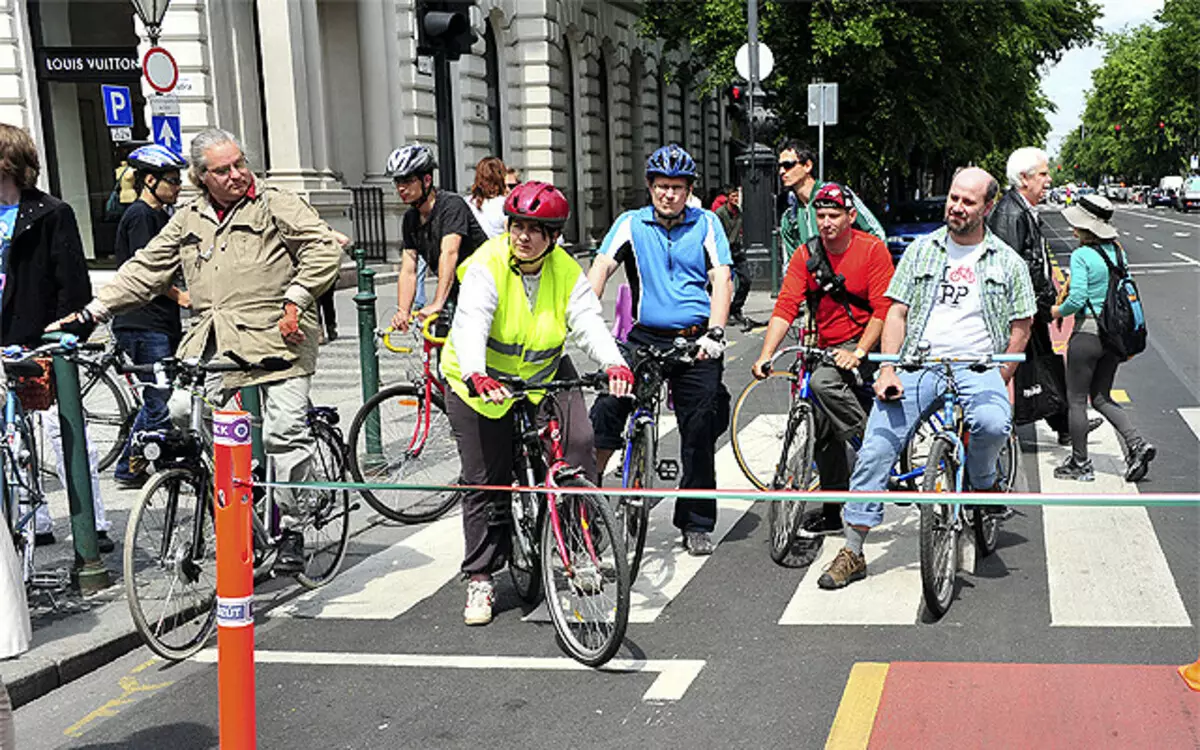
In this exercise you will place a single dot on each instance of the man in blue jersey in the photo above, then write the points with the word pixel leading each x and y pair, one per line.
pixel 673 254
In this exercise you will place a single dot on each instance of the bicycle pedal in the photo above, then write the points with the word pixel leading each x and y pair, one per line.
pixel 51 580
pixel 667 469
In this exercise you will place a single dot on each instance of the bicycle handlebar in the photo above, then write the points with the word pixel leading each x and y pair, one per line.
pixel 426 333
pixel 166 370
pixel 521 388
pixel 919 362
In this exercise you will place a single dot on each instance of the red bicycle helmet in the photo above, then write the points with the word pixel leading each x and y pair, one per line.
pixel 538 201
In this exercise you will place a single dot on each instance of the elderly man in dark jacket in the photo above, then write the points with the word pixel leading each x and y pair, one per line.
pixel 1015 222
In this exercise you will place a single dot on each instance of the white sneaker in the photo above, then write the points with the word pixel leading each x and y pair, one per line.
pixel 480 595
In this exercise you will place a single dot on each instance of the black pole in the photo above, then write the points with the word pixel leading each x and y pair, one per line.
pixel 447 169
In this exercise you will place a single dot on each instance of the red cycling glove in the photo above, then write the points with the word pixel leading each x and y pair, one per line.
pixel 478 384
pixel 620 372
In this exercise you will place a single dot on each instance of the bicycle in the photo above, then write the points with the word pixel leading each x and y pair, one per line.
pixel 402 434
pixel 794 428
pixel 640 464
pixel 571 539
pixel 942 524
pixel 111 400
pixel 170 542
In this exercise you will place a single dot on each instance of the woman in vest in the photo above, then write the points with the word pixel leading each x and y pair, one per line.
pixel 1091 368
pixel 521 297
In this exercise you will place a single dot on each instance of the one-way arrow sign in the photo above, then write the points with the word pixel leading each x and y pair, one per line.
pixel 166 132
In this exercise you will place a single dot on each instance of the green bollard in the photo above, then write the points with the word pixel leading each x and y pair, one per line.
pixel 89 573
pixel 368 355
pixel 775 264
pixel 252 402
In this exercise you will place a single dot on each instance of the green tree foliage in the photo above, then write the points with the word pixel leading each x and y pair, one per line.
pixel 930 85
pixel 1151 74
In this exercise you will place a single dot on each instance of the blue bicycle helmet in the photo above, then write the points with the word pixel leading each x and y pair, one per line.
pixel 157 159
pixel 671 161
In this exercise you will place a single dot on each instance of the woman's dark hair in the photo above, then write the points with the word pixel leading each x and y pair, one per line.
pixel 19 156
pixel 489 180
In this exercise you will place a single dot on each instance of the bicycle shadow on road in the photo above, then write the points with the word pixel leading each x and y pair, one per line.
pixel 182 736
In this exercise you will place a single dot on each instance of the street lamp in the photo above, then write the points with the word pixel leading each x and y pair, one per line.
pixel 151 12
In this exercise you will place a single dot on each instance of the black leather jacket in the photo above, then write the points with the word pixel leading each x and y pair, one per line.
pixel 1020 228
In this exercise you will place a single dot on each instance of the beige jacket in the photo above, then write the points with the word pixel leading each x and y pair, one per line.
pixel 239 272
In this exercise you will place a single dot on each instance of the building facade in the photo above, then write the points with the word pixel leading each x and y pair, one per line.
pixel 321 91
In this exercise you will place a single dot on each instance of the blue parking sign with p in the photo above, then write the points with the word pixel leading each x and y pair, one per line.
pixel 118 106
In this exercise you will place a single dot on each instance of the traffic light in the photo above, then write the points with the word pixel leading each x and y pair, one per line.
pixel 1162 127
pixel 1117 131
pixel 444 27
pixel 735 102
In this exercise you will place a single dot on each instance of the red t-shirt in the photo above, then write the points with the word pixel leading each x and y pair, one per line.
pixel 867 267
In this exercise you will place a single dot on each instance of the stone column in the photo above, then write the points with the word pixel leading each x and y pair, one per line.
pixel 376 73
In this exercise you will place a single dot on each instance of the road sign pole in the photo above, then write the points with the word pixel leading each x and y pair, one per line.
pixel 821 140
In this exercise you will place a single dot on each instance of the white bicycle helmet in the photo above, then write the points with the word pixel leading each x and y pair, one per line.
pixel 408 161
pixel 157 159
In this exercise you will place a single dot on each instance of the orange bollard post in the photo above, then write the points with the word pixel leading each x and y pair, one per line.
pixel 1191 674
pixel 235 579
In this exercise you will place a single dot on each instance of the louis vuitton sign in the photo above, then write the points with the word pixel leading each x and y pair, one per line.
pixel 89 64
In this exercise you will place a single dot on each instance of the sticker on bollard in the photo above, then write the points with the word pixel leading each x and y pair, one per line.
pixel 236 612
pixel 231 428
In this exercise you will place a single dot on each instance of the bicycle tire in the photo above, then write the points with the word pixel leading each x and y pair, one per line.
pixel 524 560
pixel 760 419
pixel 108 414
pixel 589 607
pixel 327 520
pixel 21 474
pixel 986 526
pixel 180 628
pixel 398 407
pixel 939 530
pixel 633 513
pixel 794 472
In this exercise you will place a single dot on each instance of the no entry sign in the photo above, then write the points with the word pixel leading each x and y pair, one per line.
pixel 160 70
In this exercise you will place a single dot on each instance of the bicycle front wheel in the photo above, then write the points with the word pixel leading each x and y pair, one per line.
pixel 22 493
pixel 109 412
pixel 760 422
pixel 587 584
pixel 940 529
pixel 795 472
pixel 400 437
pixel 523 560
pixel 171 563
pixel 633 513
pixel 326 525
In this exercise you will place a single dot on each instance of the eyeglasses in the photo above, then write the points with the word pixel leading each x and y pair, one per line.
pixel 664 189
pixel 786 165
pixel 239 165
pixel 175 181
pixel 511 185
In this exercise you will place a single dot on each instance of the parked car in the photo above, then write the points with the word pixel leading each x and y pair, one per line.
pixel 908 221
pixel 1189 195
pixel 1160 198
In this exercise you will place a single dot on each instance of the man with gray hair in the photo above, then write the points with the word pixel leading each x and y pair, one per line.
pixel 255 258
pixel 1015 222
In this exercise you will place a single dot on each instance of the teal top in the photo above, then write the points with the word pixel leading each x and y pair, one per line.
pixel 1089 280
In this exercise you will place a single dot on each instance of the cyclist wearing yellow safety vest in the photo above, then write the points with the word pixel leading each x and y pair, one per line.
pixel 521 297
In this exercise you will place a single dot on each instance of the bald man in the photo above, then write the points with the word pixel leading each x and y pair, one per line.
pixel 970 295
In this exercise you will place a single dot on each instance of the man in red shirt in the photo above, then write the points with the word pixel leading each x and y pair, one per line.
pixel 842 276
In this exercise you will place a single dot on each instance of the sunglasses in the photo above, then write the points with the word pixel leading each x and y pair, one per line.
pixel 786 165
pixel 511 185
pixel 175 181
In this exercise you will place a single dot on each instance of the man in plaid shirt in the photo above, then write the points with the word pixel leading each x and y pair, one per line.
pixel 965 293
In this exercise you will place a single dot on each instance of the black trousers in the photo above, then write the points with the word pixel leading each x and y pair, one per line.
pixel 702 411
pixel 1040 330
pixel 486 450
pixel 741 277
pixel 327 311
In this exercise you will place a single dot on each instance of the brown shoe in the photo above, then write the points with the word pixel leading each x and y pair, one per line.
pixel 845 569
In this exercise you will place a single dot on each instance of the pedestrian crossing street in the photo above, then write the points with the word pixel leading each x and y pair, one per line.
pixel 1103 567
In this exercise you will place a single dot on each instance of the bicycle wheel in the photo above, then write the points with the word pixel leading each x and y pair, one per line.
pixel 523 559
pixel 327 521
pixel 795 472
pixel 587 591
pixel 633 513
pixel 23 493
pixel 986 526
pixel 108 412
pixel 939 529
pixel 760 421
pixel 171 563
pixel 405 450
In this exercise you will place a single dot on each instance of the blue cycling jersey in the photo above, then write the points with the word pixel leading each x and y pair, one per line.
pixel 668 268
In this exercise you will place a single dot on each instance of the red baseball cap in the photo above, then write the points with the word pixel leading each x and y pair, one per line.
pixel 832 195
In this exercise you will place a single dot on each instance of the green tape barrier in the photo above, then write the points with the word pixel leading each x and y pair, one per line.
pixel 1168 499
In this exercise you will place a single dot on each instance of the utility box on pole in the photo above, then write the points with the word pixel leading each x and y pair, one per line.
pixel 757 177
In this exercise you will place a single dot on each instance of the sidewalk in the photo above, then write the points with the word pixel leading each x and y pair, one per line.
pixel 75 634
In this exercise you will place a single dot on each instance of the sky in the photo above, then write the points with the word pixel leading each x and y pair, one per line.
pixel 1066 82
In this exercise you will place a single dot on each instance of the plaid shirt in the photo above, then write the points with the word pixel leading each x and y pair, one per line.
pixel 1007 291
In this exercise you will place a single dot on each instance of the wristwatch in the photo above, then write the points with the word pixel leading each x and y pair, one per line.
pixel 716 333
pixel 859 354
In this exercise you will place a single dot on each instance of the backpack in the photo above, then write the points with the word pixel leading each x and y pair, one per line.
pixel 1122 321
pixel 113 207
pixel 829 283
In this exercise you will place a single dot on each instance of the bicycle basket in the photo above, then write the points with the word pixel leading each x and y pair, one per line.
pixel 36 392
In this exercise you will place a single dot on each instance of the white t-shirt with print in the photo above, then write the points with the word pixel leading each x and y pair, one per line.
pixel 956 327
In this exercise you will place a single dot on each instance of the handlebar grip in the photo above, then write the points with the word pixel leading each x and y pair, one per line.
pixel 877 357
pixel 386 335
pixel 427 330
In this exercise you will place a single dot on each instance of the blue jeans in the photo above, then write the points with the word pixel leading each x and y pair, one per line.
pixel 145 347
pixel 419 299
pixel 892 424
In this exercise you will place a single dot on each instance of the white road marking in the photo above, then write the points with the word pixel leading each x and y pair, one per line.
pixel 1191 415
pixel 1170 220
pixel 675 676
pixel 1149 226
pixel 1183 234
pixel 1105 567
pixel 1187 259
pixel 1161 264
pixel 1140 239
pixel 889 595
pixel 1156 245
pixel 1124 233
pixel 389 583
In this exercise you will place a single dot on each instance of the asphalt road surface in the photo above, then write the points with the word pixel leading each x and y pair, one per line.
pixel 735 651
